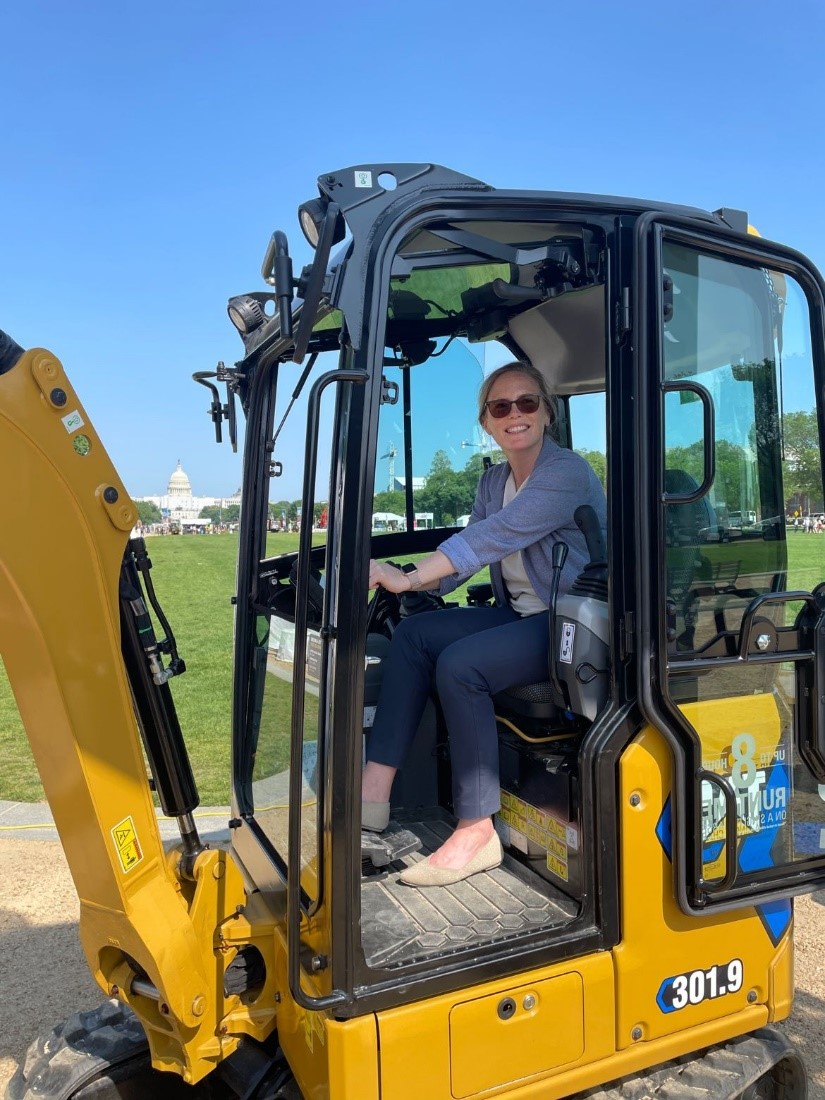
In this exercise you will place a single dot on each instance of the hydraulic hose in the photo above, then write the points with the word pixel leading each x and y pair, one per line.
pixel 10 352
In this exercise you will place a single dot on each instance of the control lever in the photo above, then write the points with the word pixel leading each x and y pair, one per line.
pixel 588 523
pixel 559 557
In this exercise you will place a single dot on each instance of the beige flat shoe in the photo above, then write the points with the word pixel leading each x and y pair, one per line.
pixel 375 816
pixel 424 874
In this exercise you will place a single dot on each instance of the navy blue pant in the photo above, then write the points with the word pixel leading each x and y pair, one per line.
pixel 474 652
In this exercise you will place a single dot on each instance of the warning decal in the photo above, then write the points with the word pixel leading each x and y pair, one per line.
pixel 552 836
pixel 127 844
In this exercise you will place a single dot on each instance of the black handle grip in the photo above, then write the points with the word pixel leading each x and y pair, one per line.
pixel 588 523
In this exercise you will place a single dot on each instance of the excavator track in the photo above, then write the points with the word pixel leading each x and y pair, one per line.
pixel 761 1066
pixel 102 1053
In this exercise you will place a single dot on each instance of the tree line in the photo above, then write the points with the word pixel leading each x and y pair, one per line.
pixel 801 470
pixel 449 493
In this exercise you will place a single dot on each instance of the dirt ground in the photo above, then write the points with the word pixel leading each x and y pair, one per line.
pixel 43 976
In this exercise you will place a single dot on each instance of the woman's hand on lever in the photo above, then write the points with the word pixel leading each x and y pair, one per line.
pixel 388 576
pixel 426 574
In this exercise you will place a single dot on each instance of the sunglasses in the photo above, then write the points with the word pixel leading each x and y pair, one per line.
pixel 527 403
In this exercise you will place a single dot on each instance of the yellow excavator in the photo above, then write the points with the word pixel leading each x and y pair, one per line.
pixel 662 792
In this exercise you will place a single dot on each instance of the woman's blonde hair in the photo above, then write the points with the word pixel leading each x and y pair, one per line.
pixel 535 376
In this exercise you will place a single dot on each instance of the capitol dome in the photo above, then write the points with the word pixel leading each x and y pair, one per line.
pixel 179 485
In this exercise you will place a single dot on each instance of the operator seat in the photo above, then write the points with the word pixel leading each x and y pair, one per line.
pixel 535 702
pixel 578 687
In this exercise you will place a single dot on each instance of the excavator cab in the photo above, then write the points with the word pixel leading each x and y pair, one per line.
pixel 670 338
pixel 662 792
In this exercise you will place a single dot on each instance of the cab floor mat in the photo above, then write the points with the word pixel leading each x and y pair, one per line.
pixel 401 924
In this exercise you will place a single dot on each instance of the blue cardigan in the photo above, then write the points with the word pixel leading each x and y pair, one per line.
pixel 539 516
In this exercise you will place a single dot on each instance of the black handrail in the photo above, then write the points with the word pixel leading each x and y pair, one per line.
pixel 293 921
pixel 729 876
pixel 708 438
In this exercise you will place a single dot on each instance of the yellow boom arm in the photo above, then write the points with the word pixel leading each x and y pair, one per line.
pixel 60 563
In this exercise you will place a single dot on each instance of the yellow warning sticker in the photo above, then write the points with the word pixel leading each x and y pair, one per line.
pixel 558 849
pixel 557 867
pixel 127 844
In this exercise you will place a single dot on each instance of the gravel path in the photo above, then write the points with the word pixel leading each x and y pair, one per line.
pixel 43 975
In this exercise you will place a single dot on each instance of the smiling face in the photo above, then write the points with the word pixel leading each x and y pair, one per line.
pixel 519 435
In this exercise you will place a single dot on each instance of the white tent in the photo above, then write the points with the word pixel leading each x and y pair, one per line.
pixel 383 520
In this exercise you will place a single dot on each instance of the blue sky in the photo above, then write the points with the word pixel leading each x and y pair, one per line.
pixel 150 150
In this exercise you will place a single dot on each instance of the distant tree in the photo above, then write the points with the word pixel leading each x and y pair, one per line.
pixel 447 493
pixel 148 512
pixel 598 462
pixel 217 515
pixel 394 502
pixel 801 468
pixel 730 483
pixel 440 464
pixel 283 510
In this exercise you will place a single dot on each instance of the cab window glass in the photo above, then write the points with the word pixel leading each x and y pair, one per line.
pixel 588 430
pixel 446 443
pixel 737 340
pixel 277 655
pixel 727 545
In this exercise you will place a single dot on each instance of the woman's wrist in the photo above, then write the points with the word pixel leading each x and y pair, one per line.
pixel 414 579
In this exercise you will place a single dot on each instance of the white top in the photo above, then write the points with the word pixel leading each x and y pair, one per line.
pixel 523 596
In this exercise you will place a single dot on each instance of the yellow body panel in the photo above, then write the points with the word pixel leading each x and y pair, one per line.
pixel 539 1028
pixel 331 1059
pixel 658 939
pixel 491 1056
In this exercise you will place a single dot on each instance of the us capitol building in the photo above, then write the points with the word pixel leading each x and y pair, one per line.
pixel 180 507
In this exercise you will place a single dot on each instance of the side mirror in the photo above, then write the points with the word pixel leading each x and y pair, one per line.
pixel 313 285
pixel 277 271
pixel 217 410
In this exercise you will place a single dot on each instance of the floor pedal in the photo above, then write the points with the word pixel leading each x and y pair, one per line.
pixel 381 849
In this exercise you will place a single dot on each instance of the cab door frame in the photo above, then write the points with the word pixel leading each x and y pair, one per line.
pixel 658 706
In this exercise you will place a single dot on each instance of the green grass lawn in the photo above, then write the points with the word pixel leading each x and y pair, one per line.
pixel 194 577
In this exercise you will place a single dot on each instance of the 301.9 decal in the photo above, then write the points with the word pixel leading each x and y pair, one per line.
pixel 695 986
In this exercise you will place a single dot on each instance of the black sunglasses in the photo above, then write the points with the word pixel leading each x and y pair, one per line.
pixel 527 403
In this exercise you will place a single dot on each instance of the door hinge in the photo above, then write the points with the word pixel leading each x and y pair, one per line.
pixel 389 392
pixel 623 315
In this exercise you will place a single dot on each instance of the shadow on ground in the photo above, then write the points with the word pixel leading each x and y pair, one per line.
pixel 43 979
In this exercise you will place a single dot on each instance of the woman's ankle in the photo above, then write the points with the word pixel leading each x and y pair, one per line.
pixel 469 837
pixel 376 782
pixel 480 826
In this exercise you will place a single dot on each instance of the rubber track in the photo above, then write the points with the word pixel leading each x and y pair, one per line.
pixel 58 1065
pixel 721 1072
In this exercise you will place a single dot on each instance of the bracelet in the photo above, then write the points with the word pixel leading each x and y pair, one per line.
pixel 414 579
